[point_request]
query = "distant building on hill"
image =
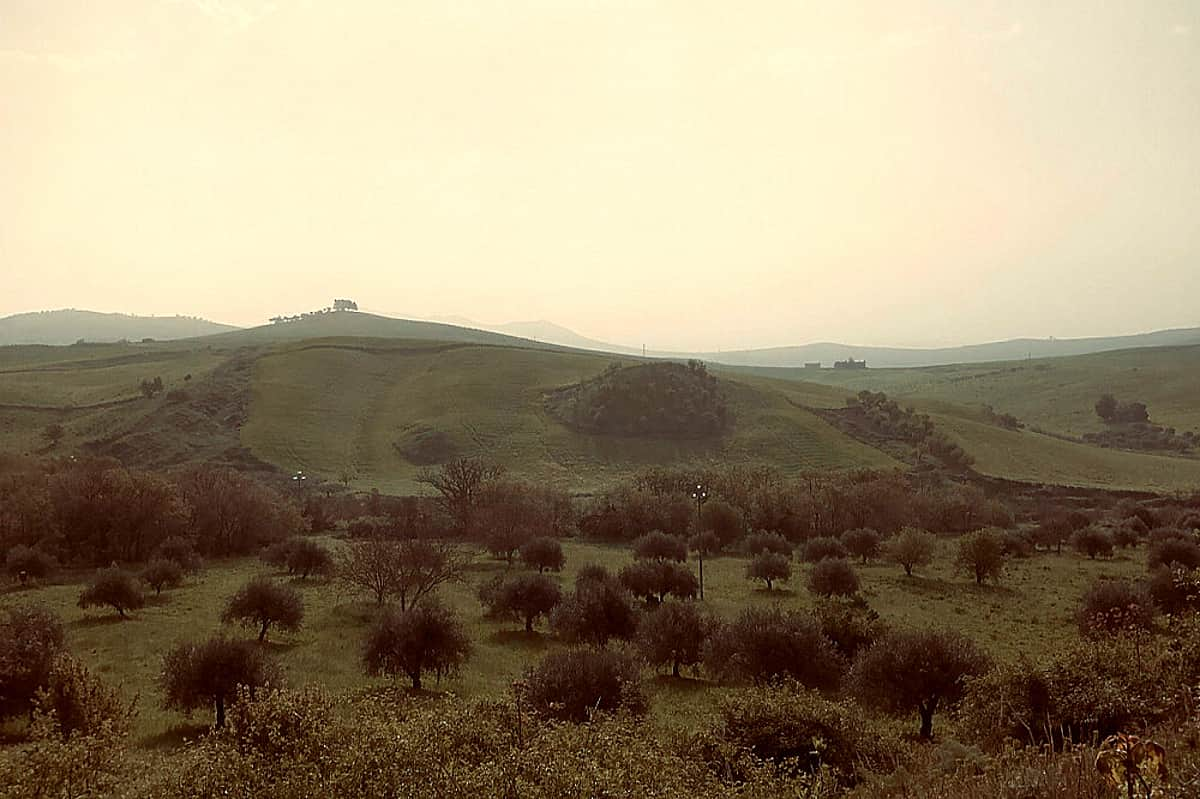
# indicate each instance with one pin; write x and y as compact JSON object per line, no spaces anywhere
{"x":850,"y":364}
{"x":812,"y":364}
{"x":345,"y":305}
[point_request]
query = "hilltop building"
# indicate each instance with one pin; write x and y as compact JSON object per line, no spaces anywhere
{"x":850,"y":364}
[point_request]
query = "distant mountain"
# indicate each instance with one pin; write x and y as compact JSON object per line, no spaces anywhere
{"x":896,"y":357}
{"x":551,"y":333}
{"x":69,"y":325}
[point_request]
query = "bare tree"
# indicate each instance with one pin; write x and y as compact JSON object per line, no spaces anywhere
{"x":458,"y":483}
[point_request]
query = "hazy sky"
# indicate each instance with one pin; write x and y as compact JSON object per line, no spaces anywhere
{"x":688,"y":175}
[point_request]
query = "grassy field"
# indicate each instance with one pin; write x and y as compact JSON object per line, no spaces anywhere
{"x":1055,"y":394}
{"x":340,"y":407}
{"x":1029,"y":612}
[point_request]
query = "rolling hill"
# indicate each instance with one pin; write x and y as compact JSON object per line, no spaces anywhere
{"x":324,"y":395}
{"x":69,"y":326}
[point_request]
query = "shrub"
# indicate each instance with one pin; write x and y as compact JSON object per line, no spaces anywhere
{"x":1113,"y":606}
{"x":208,"y":674}
{"x":920,"y":670}
{"x":1160,"y":534}
{"x":181,"y":551}
{"x":1174,"y":553}
{"x":1126,"y":535}
{"x":981,"y":555}
{"x":591,"y":571}
{"x":306,"y":557}
{"x":25,"y":562}
{"x":425,"y":638}
{"x":820,"y":548}
{"x":80,"y":704}
{"x":763,"y":644}
{"x":543,"y":554}
{"x":573,"y":684}
{"x":723,"y":520}
{"x":862,"y":543}
{"x":657,"y":545}
{"x":673,"y":635}
{"x":849,"y":624}
{"x":1093,"y":542}
{"x":769,"y":567}
{"x":911,"y":548}
{"x":833,"y":577}
{"x":263,"y":603}
{"x":654,"y":580}
{"x":276,"y":554}
{"x":114,"y":588}
{"x":600,"y":609}
{"x":1174,"y":591}
{"x":796,"y":729}
{"x":1014,"y":544}
{"x":762,"y":541}
{"x":160,"y":574}
{"x":521,"y":597}
{"x":31,"y":639}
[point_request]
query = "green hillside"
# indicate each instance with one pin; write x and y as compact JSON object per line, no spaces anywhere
{"x":343,"y":407}
{"x":1054,"y":394}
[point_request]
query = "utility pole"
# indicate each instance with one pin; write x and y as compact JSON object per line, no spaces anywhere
{"x":700,"y":495}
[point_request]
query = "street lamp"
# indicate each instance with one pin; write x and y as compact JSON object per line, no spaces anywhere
{"x":700,"y":495}
{"x":298,"y":478}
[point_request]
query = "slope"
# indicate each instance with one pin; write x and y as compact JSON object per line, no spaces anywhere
{"x":69,"y":325}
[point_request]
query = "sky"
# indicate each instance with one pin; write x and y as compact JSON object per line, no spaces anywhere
{"x":688,"y":175}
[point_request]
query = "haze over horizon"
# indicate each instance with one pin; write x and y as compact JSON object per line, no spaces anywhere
{"x":900,"y":174}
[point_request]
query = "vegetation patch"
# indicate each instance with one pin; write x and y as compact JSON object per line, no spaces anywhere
{"x":664,"y":400}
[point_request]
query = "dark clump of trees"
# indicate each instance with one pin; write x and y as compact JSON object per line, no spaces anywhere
{"x":576,"y":683}
{"x":833,"y":577}
{"x":426,"y":638}
{"x":28,"y":563}
{"x":863,"y":543}
{"x":263,"y":603}
{"x":1110,"y":410}
{"x":884,"y":416}
{"x":668,"y":400}
{"x":1175,"y":553}
{"x":1093,"y":541}
{"x":209,"y":674}
{"x":917,"y":671}
{"x":182,"y":552}
{"x":655,"y":580}
{"x":115,"y":588}
{"x":520,"y":597}
{"x":1115,"y":606}
{"x":306,"y":558}
{"x":657,"y":545}
{"x":543,"y":554}
{"x":765,"y":644}
{"x":762,"y":541}
{"x":824,"y":547}
{"x":674,"y":635}
{"x":31,"y":638}
{"x":770,"y":568}
{"x":599,"y":609}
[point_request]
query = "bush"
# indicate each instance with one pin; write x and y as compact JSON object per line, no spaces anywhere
{"x":521,"y":597}
{"x":1161,"y":534}
{"x":916,"y":671}
{"x":600,"y":609}
{"x":722,"y":519}
{"x":796,"y":729}
{"x":160,"y":574}
{"x":306,"y":557}
{"x":763,"y":541}
{"x":862,"y":543}
{"x":820,"y":548}
{"x":1113,"y":606}
{"x":25,"y":562}
{"x":31,"y":639}
{"x":981,"y":555}
{"x":1174,"y":591}
{"x":80,"y":704}
{"x":769,"y":567}
{"x":911,"y":548}
{"x":657,"y":545}
{"x":833,"y":577}
{"x":654,"y":580}
{"x":1126,"y":535}
{"x":673,"y":635}
{"x":181,"y":551}
{"x":425,"y":638}
{"x":543,"y":554}
{"x":849,"y":624}
{"x":764,"y":644}
{"x":114,"y":588}
{"x":1174,"y":554}
{"x":573,"y":684}
{"x":1014,"y":544}
{"x":195,"y":676}
{"x":1093,"y":542}
{"x":263,"y":603}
